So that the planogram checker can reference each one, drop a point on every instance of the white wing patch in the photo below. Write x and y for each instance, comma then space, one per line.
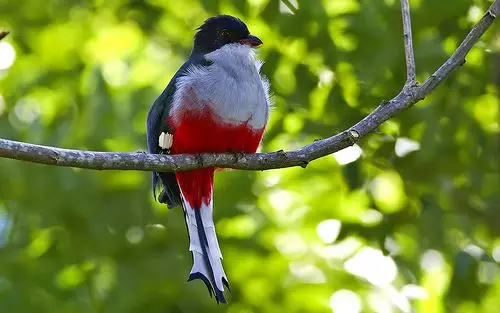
165, 141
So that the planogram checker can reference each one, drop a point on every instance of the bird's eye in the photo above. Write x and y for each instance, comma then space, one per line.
224, 34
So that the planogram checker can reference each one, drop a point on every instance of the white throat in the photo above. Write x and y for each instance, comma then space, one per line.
232, 86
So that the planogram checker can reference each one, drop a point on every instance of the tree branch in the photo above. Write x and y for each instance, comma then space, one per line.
458, 57
3, 34
409, 95
408, 43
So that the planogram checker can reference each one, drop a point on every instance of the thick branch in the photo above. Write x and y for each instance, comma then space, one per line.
409, 95
408, 43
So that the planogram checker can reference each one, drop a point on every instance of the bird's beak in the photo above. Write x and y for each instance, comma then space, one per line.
252, 41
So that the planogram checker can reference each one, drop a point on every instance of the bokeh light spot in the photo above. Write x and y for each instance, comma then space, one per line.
328, 230
7, 55
70, 277
116, 73
373, 266
496, 253
135, 234
281, 200
474, 14
2, 105
414, 292
27, 110
405, 146
432, 260
348, 155
291, 244
307, 273
388, 192
345, 301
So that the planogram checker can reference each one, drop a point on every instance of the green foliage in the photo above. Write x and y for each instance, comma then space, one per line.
425, 191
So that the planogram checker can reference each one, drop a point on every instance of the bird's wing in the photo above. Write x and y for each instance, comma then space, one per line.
156, 125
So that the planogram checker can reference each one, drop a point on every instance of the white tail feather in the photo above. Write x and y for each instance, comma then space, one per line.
213, 250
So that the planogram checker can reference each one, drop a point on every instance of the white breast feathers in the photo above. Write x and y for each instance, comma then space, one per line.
232, 86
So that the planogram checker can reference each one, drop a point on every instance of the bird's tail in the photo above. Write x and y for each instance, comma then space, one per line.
203, 244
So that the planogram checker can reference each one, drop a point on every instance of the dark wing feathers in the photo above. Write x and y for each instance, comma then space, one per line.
156, 124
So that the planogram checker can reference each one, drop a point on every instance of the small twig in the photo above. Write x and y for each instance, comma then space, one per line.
458, 57
411, 79
259, 161
3, 34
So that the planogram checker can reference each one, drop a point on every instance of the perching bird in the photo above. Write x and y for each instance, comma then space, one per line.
216, 102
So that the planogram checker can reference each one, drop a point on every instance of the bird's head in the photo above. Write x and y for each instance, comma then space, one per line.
221, 30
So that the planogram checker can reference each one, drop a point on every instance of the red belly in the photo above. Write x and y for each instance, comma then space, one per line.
199, 131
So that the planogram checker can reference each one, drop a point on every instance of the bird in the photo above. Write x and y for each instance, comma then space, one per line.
218, 101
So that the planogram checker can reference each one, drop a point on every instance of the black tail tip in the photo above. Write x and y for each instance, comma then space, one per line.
226, 283
219, 294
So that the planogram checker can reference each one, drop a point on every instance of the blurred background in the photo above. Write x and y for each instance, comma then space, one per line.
408, 220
